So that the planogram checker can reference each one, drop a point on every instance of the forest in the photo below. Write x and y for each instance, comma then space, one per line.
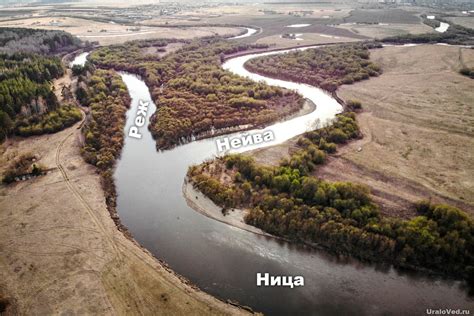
28, 65
287, 201
45, 42
108, 100
193, 94
28, 105
325, 67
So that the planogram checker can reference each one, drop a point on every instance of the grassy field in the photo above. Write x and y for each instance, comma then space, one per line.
304, 39
270, 24
382, 16
418, 127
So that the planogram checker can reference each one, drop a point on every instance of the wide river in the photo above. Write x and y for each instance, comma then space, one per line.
223, 260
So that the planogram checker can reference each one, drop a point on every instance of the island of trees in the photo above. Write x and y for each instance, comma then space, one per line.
195, 97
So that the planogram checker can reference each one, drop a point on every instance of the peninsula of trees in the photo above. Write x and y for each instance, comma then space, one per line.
325, 67
195, 97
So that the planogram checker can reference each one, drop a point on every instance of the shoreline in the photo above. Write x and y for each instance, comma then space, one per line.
203, 205
235, 218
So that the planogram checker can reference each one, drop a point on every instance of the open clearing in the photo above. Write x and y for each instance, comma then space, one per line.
207, 14
418, 127
61, 253
109, 33
466, 21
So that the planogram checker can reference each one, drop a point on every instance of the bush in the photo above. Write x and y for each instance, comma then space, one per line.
22, 165
354, 105
50, 122
469, 72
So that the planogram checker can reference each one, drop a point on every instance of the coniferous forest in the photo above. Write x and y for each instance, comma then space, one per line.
28, 105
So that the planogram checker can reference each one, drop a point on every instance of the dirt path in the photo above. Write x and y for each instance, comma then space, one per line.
59, 84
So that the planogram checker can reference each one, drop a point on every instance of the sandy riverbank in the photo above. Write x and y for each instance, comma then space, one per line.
202, 204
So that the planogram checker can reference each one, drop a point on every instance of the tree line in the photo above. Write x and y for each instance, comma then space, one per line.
28, 105
455, 35
193, 94
108, 100
26, 94
468, 72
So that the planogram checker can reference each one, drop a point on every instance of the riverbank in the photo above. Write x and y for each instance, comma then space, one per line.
405, 180
202, 204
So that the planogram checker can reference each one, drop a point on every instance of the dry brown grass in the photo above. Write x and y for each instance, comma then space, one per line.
307, 39
466, 21
60, 257
418, 127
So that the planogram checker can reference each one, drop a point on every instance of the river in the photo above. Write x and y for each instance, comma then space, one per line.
250, 32
223, 260
80, 59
